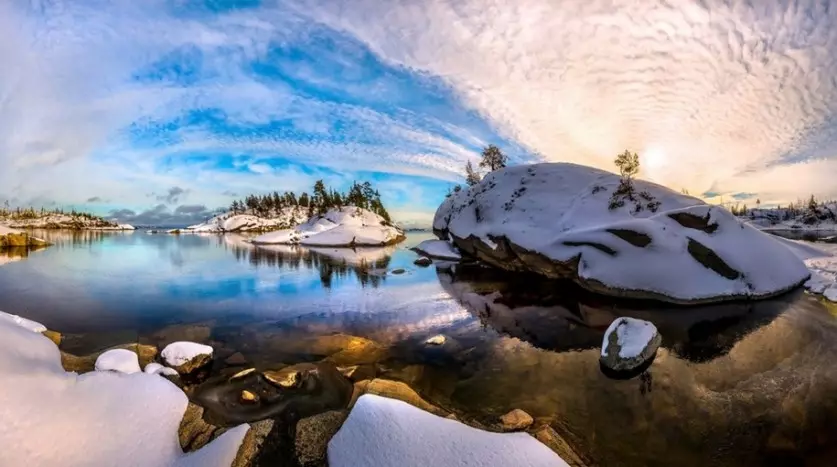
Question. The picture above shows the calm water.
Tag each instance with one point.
(739, 384)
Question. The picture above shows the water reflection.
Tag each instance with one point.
(16, 253)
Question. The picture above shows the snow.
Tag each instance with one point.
(386, 432)
(33, 326)
(53, 220)
(51, 417)
(338, 227)
(178, 353)
(229, 222)
(558, 209)
(821, 261)
(157, 369)
(121, 360)
(439, 249)
(632, 335)
(5, 230)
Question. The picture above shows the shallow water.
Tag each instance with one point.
(738, 384)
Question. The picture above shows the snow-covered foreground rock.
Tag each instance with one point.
(554, 219)
(629, 343)
(386, 432)
(51, 417)
(438, 249)
(121, 360)
(345, 227)
(185, 357)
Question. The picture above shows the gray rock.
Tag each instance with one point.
(313, 435)
(423, 261)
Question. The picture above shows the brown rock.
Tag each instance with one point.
(313, 435)
(84, 364)
(516, 420)
(252, 443)
(402, 392)
(236, 359)
(554, 441)
(194, 432)
(54, 336)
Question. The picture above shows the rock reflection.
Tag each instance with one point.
(16, 253)
(362, 263)
(558, 316)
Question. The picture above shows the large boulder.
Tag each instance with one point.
(15, 238)
(574, 222)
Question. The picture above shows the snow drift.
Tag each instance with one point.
(347, 226)
(554, 219)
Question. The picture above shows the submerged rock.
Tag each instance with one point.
(558, 220)
(629, 344)
(516, 420)
(423, 261)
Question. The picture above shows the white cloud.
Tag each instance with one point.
(722, 89)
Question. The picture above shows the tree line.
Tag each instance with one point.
(321, 199)
(19, 213)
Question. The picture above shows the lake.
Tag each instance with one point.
(739, 384)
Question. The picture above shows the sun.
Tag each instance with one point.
(653, 159)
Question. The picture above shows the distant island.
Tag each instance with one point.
(30, 218)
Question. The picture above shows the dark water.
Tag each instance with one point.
(739, 384)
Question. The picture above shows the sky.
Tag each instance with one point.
(169, 110)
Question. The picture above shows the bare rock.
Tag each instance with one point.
(554, 441)
(54, 336)
(516, 420)
(313, 435)
(423, 261)
(402, 392)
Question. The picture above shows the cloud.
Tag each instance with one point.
(161, 215)
(173, 195)
(94, 199)
(722, 90)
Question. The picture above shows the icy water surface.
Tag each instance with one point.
(739, 385)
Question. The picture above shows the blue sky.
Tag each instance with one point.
(111, 105)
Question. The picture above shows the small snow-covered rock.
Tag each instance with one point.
(516, 420)
(340, 227)
(423, 261)
(628, 343)
(186, 357)
(415, 438)
(121, 360)
(157, 369)
(438, 339)
(438, 249)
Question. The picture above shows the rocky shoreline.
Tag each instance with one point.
(314, 399)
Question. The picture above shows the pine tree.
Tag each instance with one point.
(492, 158)
(471, 176)
(304, 200)
(628, 164)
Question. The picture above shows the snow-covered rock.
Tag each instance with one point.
(33, 326)
(121, 360)
(347, 226)
(157, 369)
(387, 432)
(554, 219)
(54, 220)
(186, 357)
(629, 343)
(438, 249)
(52, 417)
(821, 260)
(423, 261)
(246, 222)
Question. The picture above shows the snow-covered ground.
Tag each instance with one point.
(52, 417)
(347, 226)
(64, 221)
(822, 218)
(438, 249)
(554, 219)
(229, 222)
(387, 432)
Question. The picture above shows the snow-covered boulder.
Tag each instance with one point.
(155, 368)
(33, 326)
(438, 249)
(121, 360)
(628, 344)
(186, 357)
(345, 227)
(52, 417)
(555, 219)
(423, 261)
(387, 432)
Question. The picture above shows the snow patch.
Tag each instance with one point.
(178, 353)
(337, 227)
(157, 369)
(387, 432)
(121, 360)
